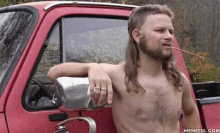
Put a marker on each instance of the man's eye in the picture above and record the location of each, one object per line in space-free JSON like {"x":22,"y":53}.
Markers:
{"x":160,"y":30}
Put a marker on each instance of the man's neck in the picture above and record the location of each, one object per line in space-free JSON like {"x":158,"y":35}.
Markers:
{"x":149,"y":66}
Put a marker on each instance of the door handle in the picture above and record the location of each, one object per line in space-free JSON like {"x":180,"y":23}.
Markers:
{"x":62,"y":129}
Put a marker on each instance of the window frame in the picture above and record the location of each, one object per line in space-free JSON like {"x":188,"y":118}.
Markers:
{"x":37,"y":62}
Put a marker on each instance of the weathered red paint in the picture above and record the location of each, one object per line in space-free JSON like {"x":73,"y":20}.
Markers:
{"x":3,"y":126}
{"x":211,"y":115}
{"x":22,"y":121}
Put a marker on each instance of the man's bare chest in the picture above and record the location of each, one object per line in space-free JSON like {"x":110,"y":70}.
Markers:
{"x":158,"y":103}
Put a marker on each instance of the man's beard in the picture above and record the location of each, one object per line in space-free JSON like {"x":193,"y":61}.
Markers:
{"x":155,"y":54}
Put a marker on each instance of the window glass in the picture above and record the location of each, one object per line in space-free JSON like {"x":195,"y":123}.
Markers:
{"x":50,"y":57}
{"x":88,"y":39}
{"x":13,"y":31}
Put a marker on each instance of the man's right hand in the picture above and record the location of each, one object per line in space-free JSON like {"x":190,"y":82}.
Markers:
{"x":99,"y":80}
{"x":100,"y":84}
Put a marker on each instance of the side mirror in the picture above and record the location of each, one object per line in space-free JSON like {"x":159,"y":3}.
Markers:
{"x":75,"y":94}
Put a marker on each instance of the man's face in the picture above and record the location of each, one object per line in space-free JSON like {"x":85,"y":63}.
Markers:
{"x":157,"y":37}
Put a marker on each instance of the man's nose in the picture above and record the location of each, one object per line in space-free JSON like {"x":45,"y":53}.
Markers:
{"x":168,"y":36}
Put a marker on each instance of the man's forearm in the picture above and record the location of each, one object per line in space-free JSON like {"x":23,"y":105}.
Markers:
{"x":69,"y":69}
{"x":99,"y":81}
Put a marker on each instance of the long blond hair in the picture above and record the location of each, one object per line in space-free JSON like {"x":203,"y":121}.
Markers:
{"x":136,"y":20}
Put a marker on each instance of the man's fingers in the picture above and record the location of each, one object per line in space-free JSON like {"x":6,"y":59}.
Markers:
{"x":110,"y":93}
{"x":97,"y":90}
{"x":100,"y":86}
{"x":103,"y":94}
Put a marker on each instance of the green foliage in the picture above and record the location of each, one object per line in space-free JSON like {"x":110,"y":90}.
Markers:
{"x":201,"y":69}
{"x":12,"y":2}
{"x":4,"y":3}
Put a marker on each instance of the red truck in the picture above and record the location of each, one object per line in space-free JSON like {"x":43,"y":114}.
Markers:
{"x":36,"y":36}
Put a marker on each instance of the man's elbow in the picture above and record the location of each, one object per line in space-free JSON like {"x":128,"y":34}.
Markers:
{"x":191,"y":111}
{"x":52,"y":74}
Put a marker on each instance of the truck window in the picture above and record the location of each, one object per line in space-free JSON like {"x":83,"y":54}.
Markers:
{"x":94,"y":39}
{"x":14,"y":27}
{"x":84,"y":39}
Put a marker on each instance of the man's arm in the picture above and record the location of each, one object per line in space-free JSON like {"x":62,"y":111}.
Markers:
{"x":189,"y":107}
{"x":98,"y":77}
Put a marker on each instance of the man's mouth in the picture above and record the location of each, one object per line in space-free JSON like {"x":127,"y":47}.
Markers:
{"x":166,"y":44}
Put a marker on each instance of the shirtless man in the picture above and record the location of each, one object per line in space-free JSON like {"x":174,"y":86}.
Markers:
{"x":148,"y":91}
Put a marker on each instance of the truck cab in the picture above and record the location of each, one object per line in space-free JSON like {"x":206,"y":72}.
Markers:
{"x":36,"y":36}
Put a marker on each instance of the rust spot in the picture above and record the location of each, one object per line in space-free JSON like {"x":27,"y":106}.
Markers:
{"x":139,"y":111}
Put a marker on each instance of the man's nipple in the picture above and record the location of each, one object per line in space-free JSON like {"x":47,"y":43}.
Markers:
{"x":139,"y":111}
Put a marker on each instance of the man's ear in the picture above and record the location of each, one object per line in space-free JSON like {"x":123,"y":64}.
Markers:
{"x":136,"y":35}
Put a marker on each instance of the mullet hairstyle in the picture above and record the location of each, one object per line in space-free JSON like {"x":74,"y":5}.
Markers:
{"x":136,"y":20}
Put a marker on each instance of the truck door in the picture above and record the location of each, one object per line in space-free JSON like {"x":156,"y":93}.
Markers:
{"x":79,"y":34}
